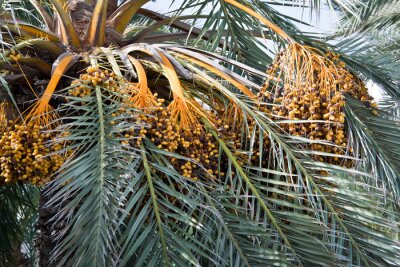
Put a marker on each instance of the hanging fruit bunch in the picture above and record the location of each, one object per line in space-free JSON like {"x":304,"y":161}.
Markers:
{"x":28,"y":152}
{"x":41,"y":59}
{"x":153,"y":116}
{"x":194,"y":143}
{"x":157,"y":124}
{"x":311,"y":88}
{"x":314,"y":94}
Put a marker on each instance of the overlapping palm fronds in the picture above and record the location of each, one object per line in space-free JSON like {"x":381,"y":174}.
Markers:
{"x":173,"y":156}
{"x":90,"y":189}
{"x":168,"y":218}
{"x":372,"y":40}
{"x":18,"y":216}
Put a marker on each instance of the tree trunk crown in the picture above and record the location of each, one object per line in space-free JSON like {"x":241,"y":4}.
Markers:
{"x":81,"y":14}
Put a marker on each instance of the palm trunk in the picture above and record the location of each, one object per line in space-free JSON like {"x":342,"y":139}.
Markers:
{"x":46,"y":243}
{"x":112,"y":6}
{"x":81,"y":13}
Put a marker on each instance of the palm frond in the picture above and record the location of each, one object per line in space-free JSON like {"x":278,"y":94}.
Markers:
{"x":171,"y":213}
{"x":19,"y":204}
{"x":368,"y":57}
{"x":89,"y":189}
{"x":320,"y":195}
{"x":371,"y":16}
{"x":377,"y":145}
{"x":227,"y":24}
{"x":125,"y":197}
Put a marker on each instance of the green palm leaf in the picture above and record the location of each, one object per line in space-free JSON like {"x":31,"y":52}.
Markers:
{"x":18,"y":208}
{"x":120,"y":200}
{"x":89,"y":188}
{"x":377,"y":144}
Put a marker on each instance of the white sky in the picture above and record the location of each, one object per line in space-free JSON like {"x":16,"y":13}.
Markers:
{"x":325,"y":24}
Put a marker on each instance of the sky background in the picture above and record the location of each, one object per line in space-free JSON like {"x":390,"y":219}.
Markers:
{"x":324,"y":24}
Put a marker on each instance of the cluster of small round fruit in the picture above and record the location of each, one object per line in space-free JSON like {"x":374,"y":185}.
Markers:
{"x":199,"y":147}
{"x":316,"y":109}
{"x":28,"y":153}
{"x":94,"y":76}
{"x":13,"y":55}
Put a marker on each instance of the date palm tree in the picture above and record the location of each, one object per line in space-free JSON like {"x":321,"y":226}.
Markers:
{"x":153,"y":142}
